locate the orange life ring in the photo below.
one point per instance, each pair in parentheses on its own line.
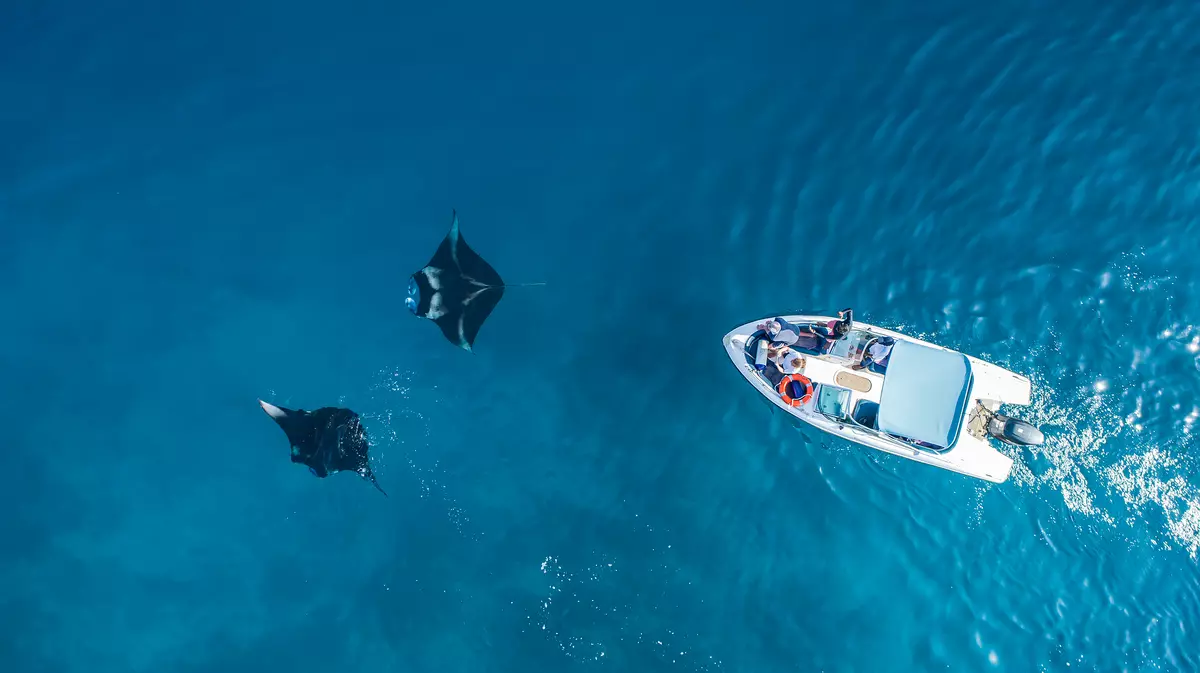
(782,389)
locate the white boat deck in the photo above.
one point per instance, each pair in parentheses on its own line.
(831,370)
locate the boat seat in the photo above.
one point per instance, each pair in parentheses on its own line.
(808,344)
(866,413)
(772,374)
(832,400)
(812,344)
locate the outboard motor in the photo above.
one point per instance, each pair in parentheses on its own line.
(1014,431)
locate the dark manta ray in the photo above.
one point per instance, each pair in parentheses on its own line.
(457,289)
(328,440)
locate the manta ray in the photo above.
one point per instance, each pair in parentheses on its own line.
(457,290)
(328,440)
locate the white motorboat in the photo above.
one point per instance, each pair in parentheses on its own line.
(925,402)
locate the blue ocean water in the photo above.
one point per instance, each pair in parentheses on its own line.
(204,204)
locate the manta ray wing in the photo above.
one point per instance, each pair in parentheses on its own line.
(450,322)
(297,425)
(471,265)
(461,322)
(367,474)
(354,451)
(476,309)
(446,258)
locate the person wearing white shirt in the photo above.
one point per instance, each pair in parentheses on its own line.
(876,357)
(787,360)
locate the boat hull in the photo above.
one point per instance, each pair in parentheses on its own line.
(972,454)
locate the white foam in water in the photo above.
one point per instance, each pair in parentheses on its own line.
(394,387)
(1103,461)
(1148,471)
(580,605)
(1070,453)
(574,646)
(1154,478)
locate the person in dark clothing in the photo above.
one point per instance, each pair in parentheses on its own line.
(780,332)
(834,330)
(842,327)
(815,337)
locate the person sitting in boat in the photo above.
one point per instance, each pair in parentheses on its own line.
(786,360)
(810,336)
(834,329)
(782,361)
(780,332)
(876,357)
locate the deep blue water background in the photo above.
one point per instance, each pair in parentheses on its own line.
(202,204)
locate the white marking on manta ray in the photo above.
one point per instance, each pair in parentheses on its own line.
(272,410)
(435,307)
(476,293)
(434,276)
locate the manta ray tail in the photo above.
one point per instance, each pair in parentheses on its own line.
(507,285)
(370,476)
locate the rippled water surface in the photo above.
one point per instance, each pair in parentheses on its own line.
(205,204)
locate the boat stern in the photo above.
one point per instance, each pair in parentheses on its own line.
(994,383)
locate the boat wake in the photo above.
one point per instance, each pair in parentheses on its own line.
(1070,459)
(1123,458)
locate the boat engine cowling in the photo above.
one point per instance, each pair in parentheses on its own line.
(1014,431)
